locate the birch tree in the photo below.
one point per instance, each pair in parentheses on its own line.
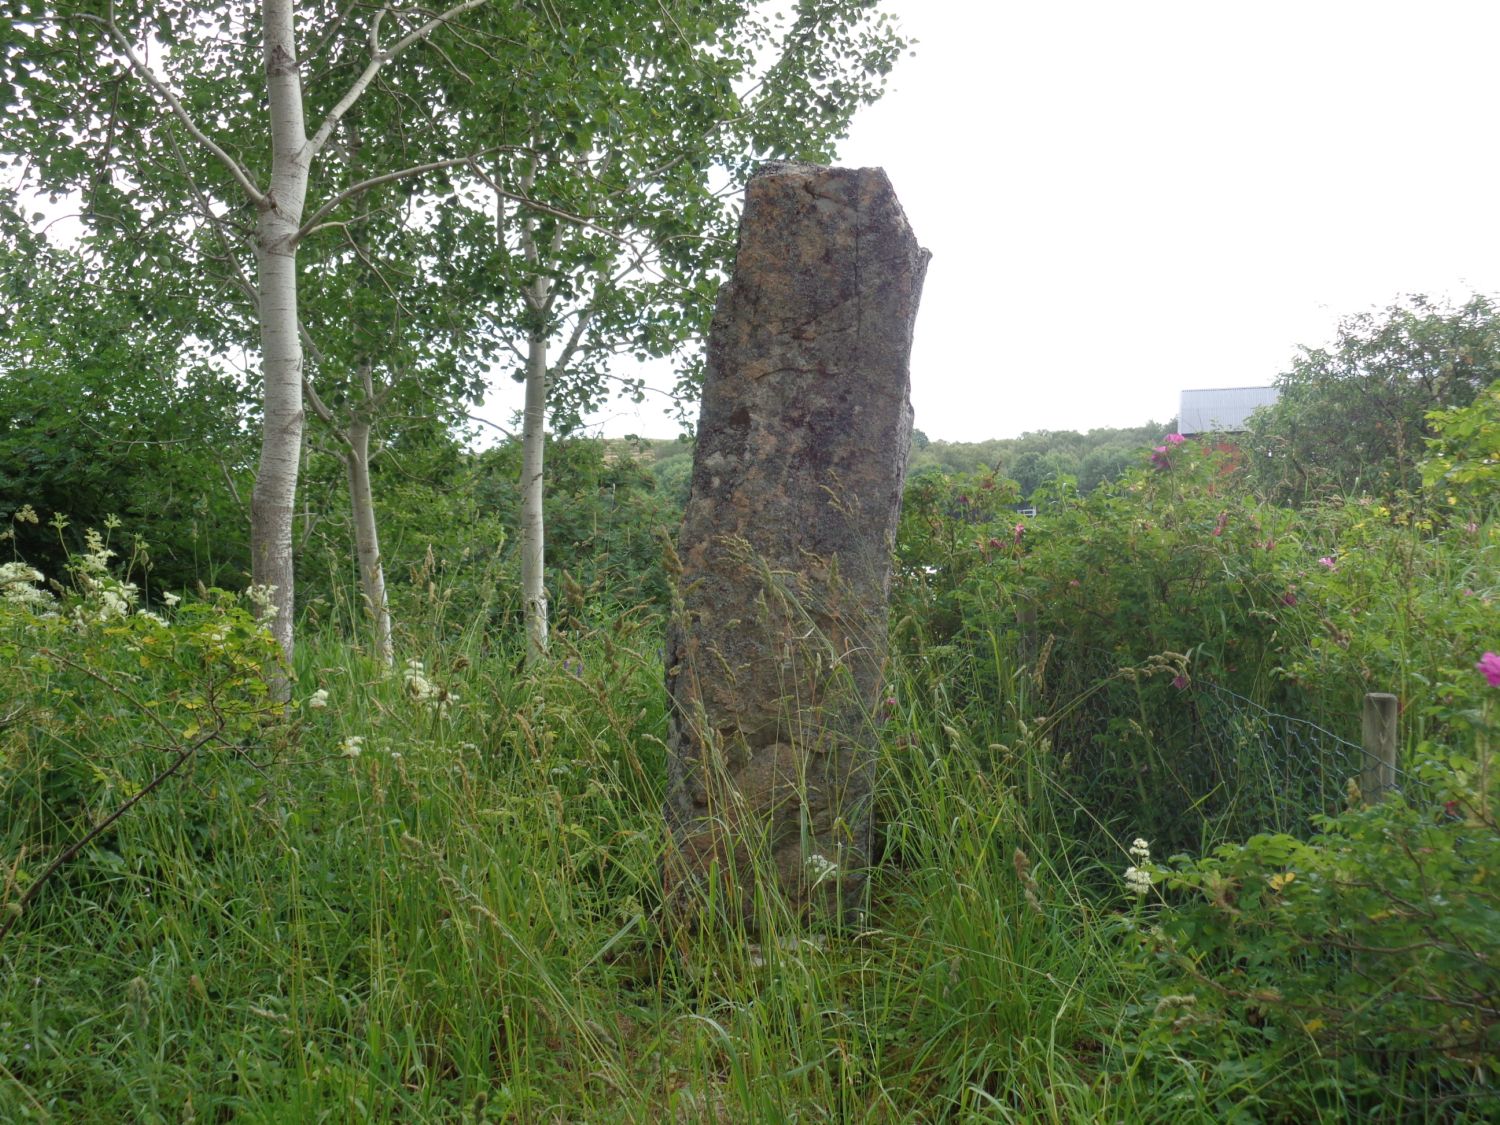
(127,58)
(575,153)
(613,213)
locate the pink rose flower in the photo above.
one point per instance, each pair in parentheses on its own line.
(1489,668)
(1175,439)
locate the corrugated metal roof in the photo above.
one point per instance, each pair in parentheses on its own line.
(1221,410)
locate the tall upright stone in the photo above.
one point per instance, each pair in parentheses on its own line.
(777,651)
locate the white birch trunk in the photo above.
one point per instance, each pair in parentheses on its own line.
(537,294)
(274,497)
(533,444)
(278,232)
(367,538)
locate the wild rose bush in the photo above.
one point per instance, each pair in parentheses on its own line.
(1364,953)
(1110,614)
(1176,558)
(1351,953)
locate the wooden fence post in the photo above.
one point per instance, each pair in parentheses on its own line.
(1379,737)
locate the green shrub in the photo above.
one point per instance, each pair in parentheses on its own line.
(1367,951)
(105,702)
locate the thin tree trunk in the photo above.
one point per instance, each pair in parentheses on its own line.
(274,496)
(278,231)
(533,444)
(367,538)
(537,295)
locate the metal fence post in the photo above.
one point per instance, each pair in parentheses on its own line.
(1378,729)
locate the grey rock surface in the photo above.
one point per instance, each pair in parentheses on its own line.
(776,654)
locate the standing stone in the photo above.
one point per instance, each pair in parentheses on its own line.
(776,654)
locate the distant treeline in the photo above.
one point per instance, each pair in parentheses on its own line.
(1031,460)
(1042,456)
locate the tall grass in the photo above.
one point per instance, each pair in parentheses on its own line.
(462,922)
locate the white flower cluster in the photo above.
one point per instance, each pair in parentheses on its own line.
(263,598)
(318,699)
(1137,877)
(18,587)
(422,690)
(105,597)
(822,868)
(352,746)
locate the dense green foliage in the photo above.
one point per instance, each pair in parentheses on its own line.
(432,893)
(1035,460)
(101,415)
(449,517)
(1344,945)
(1352,417)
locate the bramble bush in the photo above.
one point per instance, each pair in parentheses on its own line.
(1343,968)
(105,702)
(1365,953)
(1100,614)
(1179,570)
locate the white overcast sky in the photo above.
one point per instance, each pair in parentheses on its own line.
(1126,199)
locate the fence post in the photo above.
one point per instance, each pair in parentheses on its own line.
(1379,737)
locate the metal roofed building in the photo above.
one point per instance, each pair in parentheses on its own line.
(1221,410)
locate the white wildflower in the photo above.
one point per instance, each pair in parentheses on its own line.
(18,587)
(95,558)
(422,690)
(1137,880)
(18,572)
(352,746)
(1138,876)
(417,684)
(318,699)
(154,618)
(822,868)
(263,598)
(170,599)
(112,604)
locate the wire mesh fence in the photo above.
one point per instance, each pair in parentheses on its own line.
(1303,767)
(1186,759)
